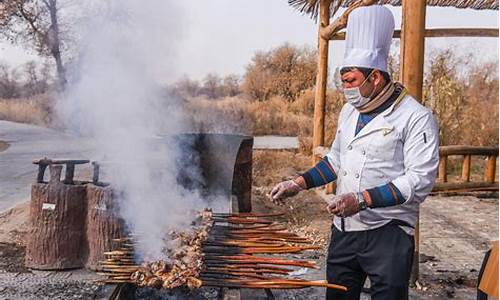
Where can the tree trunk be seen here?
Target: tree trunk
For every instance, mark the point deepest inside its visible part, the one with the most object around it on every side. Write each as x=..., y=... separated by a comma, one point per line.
x=54, y=43
x=321, y=80
x=103, y=223
x=57, y=221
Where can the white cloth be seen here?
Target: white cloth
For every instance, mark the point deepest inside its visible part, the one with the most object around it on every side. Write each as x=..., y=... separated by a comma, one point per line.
x=368, y=38
x=400, y=145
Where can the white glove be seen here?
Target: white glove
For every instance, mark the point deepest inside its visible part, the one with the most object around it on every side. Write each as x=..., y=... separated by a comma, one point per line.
x=284, y=190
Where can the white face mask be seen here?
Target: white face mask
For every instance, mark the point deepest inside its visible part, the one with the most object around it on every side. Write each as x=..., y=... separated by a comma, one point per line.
x=353, y=95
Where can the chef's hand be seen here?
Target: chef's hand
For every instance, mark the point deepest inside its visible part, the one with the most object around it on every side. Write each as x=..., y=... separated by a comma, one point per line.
x=344, y=205
x=286, y=189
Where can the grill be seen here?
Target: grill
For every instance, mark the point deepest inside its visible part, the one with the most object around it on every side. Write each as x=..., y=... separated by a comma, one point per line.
x=234, y=250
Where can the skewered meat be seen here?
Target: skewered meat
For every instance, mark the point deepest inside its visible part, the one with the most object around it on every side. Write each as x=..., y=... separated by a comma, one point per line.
x=217, y=255
x=185, y=261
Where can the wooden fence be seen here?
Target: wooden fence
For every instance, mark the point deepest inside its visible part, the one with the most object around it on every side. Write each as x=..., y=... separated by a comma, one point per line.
x=464, y=184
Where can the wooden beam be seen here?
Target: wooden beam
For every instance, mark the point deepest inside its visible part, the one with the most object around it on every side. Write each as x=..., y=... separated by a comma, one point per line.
x=442, y=32
x=321, y=78
x=468, y=150
x=412, y=74
x=451, y=186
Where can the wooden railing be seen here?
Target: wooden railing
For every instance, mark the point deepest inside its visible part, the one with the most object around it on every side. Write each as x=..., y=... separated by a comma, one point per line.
x=465, y=183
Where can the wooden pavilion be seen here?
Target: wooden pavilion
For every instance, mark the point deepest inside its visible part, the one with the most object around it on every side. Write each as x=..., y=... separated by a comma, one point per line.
x=412, y=35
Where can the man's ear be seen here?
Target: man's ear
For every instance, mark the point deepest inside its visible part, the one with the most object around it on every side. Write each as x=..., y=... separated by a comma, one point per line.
x=376, y=77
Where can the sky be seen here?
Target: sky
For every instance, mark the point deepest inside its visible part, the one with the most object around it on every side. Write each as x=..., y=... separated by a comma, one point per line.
x=221, y=36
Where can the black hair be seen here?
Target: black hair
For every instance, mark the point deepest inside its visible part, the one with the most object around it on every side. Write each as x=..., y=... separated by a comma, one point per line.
x=366, y=72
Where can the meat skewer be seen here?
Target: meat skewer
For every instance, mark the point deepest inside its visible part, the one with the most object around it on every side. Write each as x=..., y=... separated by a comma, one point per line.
x=218, y=250
x=270, y=283
x=246, y=215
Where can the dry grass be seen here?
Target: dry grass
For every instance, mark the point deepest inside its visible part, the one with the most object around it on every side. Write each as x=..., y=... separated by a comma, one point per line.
x=276, y=116
x=36, y=110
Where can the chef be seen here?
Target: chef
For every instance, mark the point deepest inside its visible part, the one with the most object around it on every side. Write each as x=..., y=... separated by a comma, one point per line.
x=384, y=159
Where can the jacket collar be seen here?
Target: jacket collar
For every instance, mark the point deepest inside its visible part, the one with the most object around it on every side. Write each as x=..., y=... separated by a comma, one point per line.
x=380, y=122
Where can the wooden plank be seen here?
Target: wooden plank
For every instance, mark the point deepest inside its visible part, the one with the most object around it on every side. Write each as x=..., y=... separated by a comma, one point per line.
x=441, y=32
x=489, y=280
x=321, y=79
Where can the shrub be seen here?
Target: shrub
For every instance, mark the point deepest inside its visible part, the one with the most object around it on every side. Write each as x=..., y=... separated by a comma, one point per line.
x=286, y=71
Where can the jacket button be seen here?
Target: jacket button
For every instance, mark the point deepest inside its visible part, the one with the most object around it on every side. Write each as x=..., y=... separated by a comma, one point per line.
x=350, y=147
x=345, y=173
x=357, y=175
x=364, y=152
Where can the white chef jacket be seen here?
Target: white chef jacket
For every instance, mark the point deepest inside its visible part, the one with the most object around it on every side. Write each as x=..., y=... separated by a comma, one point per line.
x=400, y=145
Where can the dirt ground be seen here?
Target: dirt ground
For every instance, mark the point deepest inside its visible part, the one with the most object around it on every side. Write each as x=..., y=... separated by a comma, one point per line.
x=455, y=233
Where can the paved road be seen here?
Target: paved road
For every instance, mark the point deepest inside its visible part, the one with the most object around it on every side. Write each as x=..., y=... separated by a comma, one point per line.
x=27, y=143
x=269, y=142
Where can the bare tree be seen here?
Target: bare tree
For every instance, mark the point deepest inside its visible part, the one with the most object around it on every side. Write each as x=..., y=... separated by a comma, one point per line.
x=9, y=82
x=37, y=78
x=211, y=85
x=231, y=85
x=186, y=87
x=36, y=24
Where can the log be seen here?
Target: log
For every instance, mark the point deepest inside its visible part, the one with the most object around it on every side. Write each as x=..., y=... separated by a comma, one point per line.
x=103, y=224
x=56, y=238
x=441, y=32
x=412, y=73
x=467, y=150
x=321, y=79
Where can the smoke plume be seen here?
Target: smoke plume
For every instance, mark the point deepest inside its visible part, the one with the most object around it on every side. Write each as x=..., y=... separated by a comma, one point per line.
x=127, y=51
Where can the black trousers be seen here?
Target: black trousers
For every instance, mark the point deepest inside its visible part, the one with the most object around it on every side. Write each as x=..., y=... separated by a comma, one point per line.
x=384, y=255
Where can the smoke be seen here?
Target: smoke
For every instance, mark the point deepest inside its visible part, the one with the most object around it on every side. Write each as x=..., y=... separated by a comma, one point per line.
x=127, y=50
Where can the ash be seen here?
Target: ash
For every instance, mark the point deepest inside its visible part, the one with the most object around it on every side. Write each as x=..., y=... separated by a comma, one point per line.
x=148, y=293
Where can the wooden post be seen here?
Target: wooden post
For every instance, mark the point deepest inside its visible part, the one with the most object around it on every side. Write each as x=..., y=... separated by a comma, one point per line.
x=321, y=79
x=466, y=168
x=412, y=72
x=491, y=165
x=443, y=162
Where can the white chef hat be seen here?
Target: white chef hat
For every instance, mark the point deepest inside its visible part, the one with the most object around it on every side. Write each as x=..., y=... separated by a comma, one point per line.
x=368, y=38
